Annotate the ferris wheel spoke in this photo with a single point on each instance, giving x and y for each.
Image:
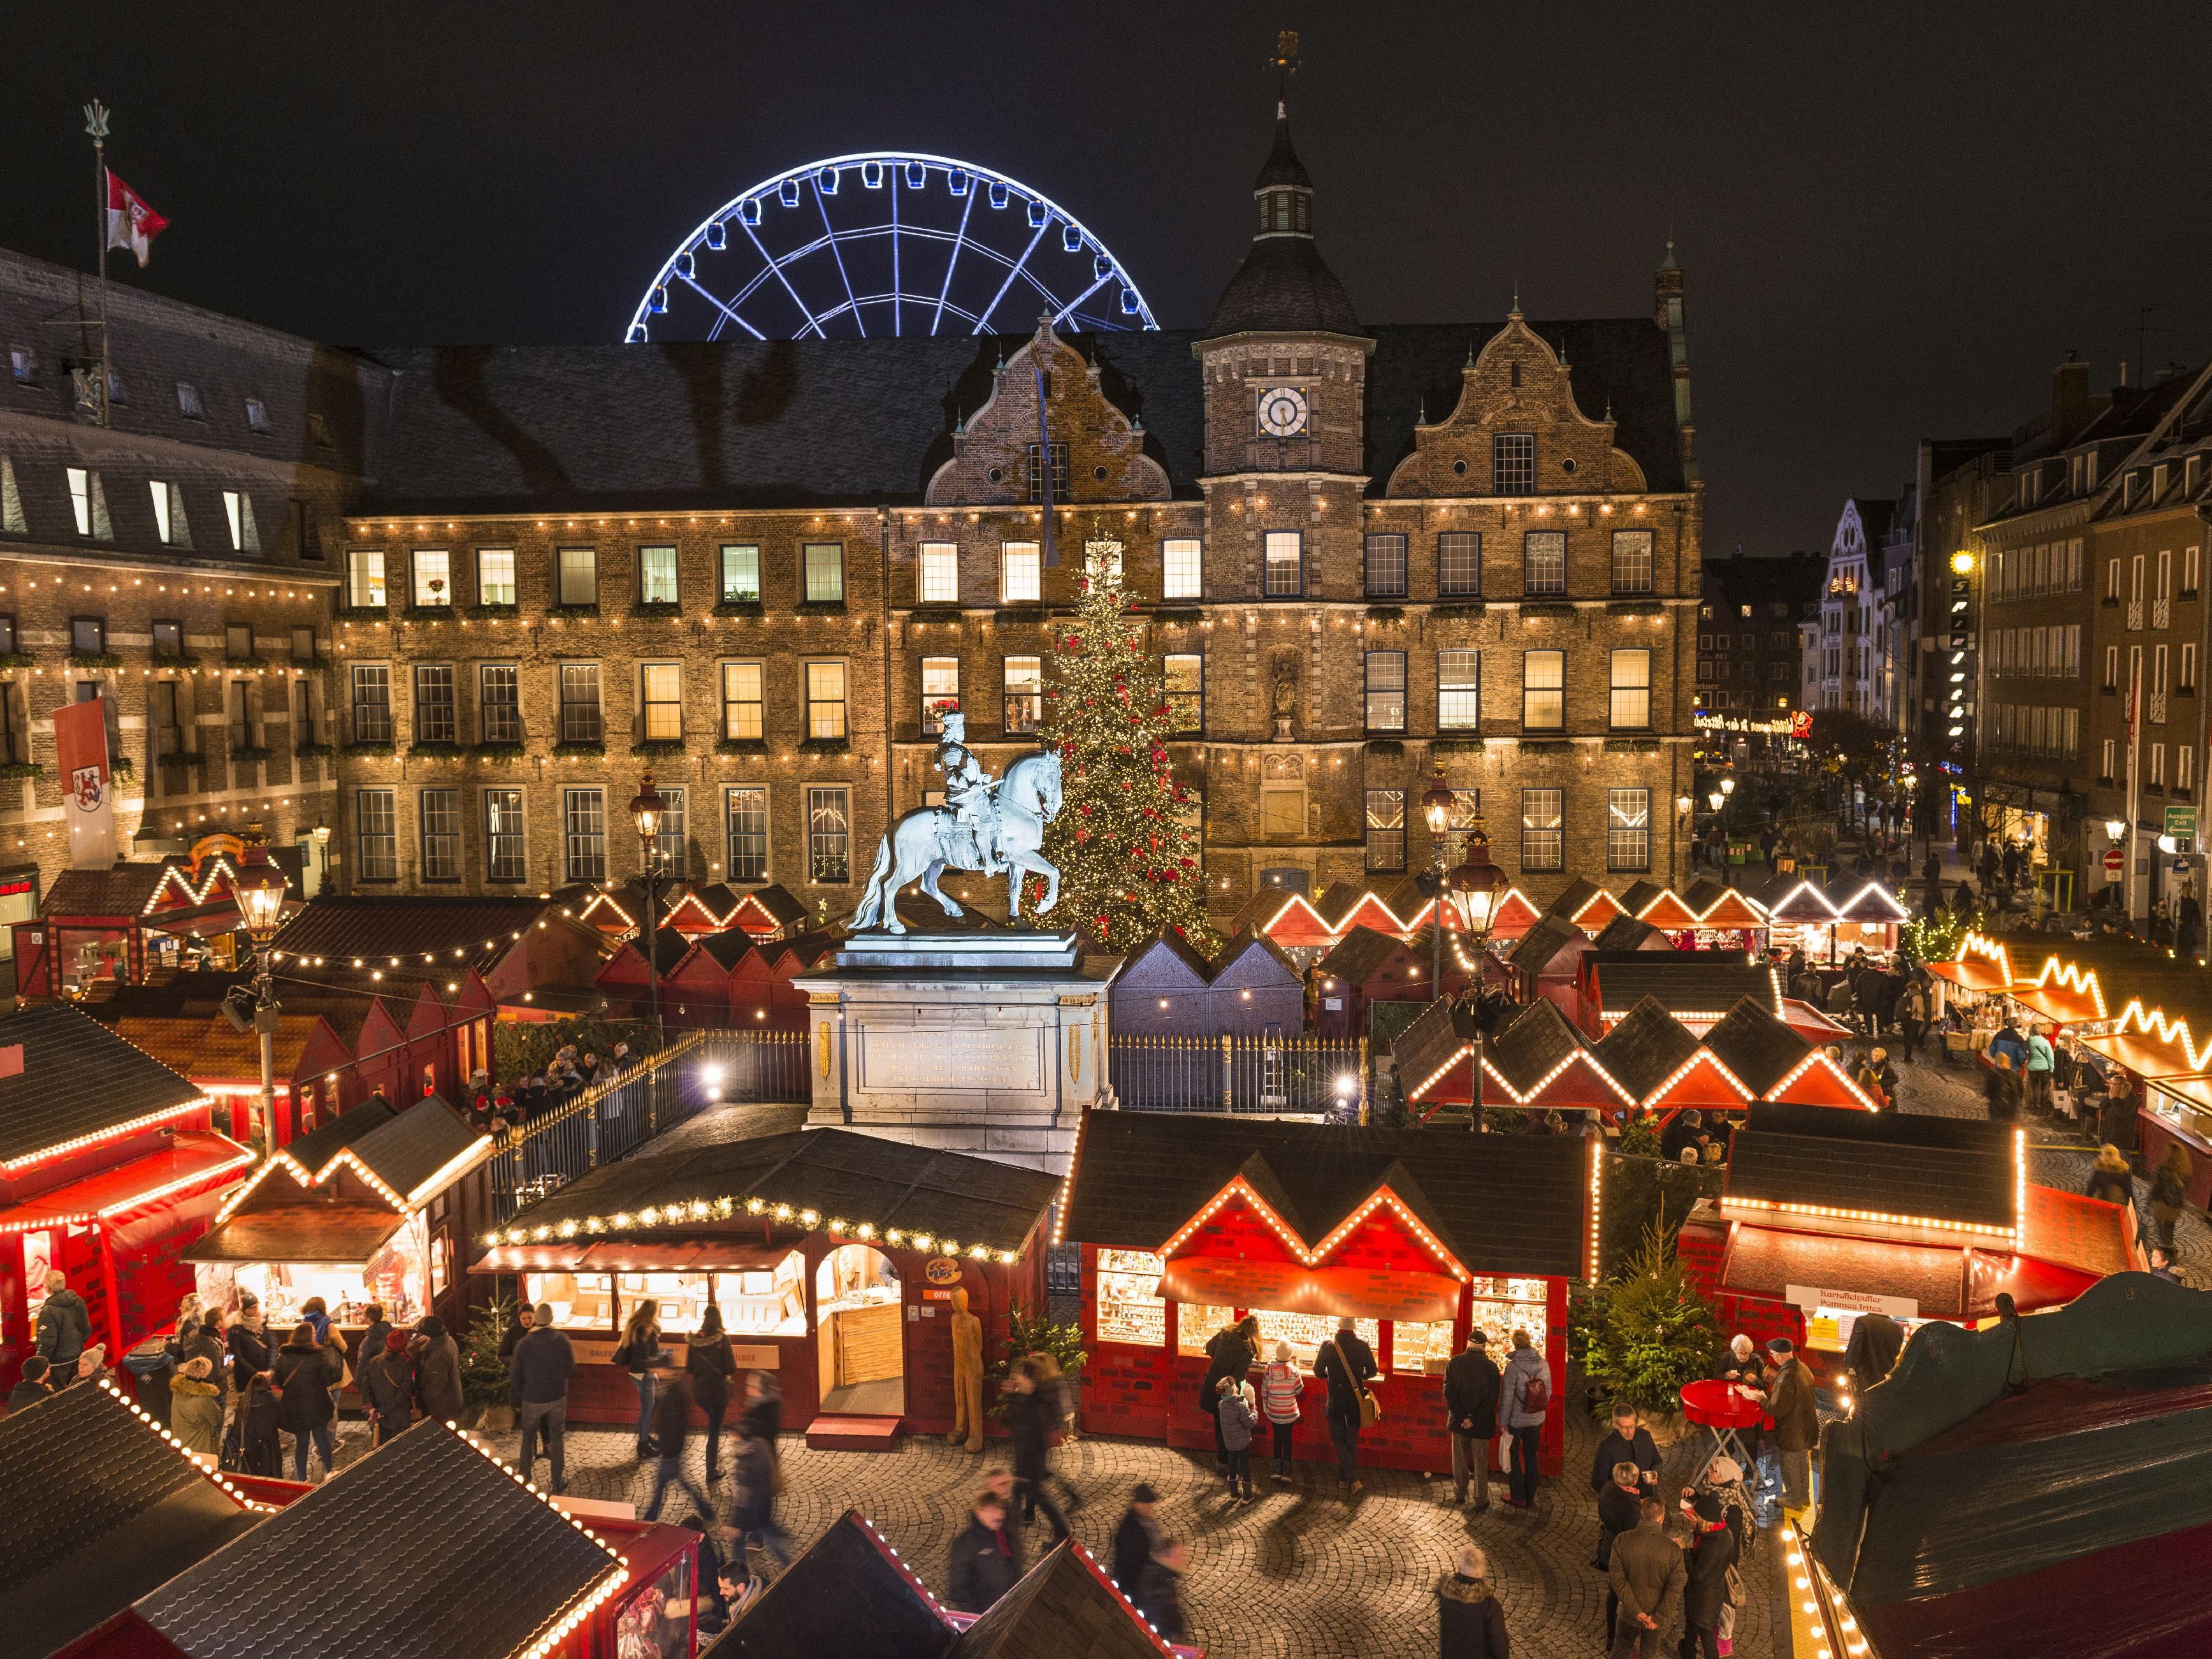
(776, 265)
(1068, 310)
(692, 283)
(837, 253)
(959, 241)
(893, 173)
(1018, 265)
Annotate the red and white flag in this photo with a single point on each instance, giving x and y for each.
(87, 781)
(130, 222)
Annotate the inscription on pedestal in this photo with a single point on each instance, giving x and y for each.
(907, 1057)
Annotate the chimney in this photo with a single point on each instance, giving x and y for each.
(2069, 398)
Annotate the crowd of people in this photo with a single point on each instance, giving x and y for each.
(498, 1108)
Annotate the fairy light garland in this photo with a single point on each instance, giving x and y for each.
(685, 1212)
(2154, 1023)
(213, 1477)
(1818, 1057)
(1311, 1256)
(564, 1623)
(1552, 1076)
(1753, 1208)
(113, 1131)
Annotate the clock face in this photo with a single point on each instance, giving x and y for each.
(1282, 411)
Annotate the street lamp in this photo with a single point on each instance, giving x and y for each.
(647, 806)
(1715, 799)
(2116, 828)
(258, 890)
(1475, 889)
(1436, 808)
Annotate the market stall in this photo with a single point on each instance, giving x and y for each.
(108, 1168)
(375, 1206)
(1833, 923)
(1830, 1215)
(833, 1257)
(1587, 905)
(1188, 1222)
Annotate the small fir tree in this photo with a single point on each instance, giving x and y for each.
(1129, 864)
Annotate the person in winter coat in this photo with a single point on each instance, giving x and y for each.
(753, 1515)
(1912, 1018)
(1280, 1385)
(307, 1372)
(1346, 1365)
(1619, 1510)
(1797, 1420)
(1646, 1579)
(64, 1327)
(1232, 1351)
(1877, 1079)
(260, 1450)
(2169, 1191)
(764, 1407)
(1233, 1410)
(1628, 1443)
(672, 1426)
(2001, 1088)
(1470, 1624)
(153, 1365)
(2116, 1120)
(1526, 1390)
(32, 1387)
(511, 1338)
(1159, 1590)
(196, 1406)
(1032, 1415)
(711, 1366)
(1840, 1002)
(1723, 1478)
(1876, 1341)
(387, 1387)
(372, 1336)
(982, 1561)
(437, 1369)
(638, 1354)
(1681, 1130)
(1471, 1385)
(2110, 1178)
(1136, 1538)
(1705, 1591)
(248, 1345)
(538, 1381)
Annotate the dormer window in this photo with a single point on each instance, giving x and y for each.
(1283, 210)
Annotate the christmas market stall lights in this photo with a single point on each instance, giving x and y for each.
(108, 1168)
(834, 1257)
(1938, 1531)
(1830, 923)
(113, 927)
(1308, 929)
(375, 1206)
(1189, 1223)
(1829, 1215)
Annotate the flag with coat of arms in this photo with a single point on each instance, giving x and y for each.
(132, 223)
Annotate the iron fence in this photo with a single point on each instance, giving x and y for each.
(1304, 1075)
(613, 1119)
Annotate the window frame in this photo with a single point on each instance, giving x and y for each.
(421, 572)
(579, 859)
(369, 676)
(1536, 837)
(447, 839)
(1011, 589)
(826, 866)
(1182, 700)
(832, 565)
(368, 842)
(937, 572)
(571, 717)
(1389, 663)
(1617, 689)
(1382, 842)
(1529, 690)
(485, 587)
(647, 703)
(807, 667)
(1269, 564)
(1450, 550)
(733, 706)
(1513, 464)
(1180, 580)
(647, 586)
(1449, 696)
(734, 593)
(1383, 561)
(1021, 706)
(497, 866)
(932, 723)
(576, 570)
(1530, 586)
(731, 832)
(424, 684)
(367, 588)
(486, 702)
(1626, 583)
(1628, 841)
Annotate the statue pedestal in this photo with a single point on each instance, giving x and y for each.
(988, 1043)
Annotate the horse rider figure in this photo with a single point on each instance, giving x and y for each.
(970, 791)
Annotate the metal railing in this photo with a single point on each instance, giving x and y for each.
(2135, 616)
(1257, 1074)
(613, 1120)
(2162, 613)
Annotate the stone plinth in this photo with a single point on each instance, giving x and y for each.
(989, 1044)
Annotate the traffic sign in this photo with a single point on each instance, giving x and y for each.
(2181, 822)
(2115, 862)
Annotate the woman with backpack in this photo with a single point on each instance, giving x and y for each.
(1527, 1392)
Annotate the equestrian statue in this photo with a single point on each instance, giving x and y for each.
(988, 826)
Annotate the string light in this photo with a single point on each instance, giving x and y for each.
(213, 1477)
(113, 1131)
(1755, 1208)
(682, 1212)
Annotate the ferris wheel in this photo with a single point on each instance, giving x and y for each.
(890, 243)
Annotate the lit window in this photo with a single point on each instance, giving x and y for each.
(1182, 567)
(1543, 691)
(579, 569)
(494, 575)
(1386, 690)
(1185, 673)
(661, 691)
(940, 691)
(741, 575)
(656, 575)
(747, 813)
(1023, 682)
(824, 562)
(1631, 689)
(1543, 840)
(829, 835)
(1386, 567)
(1019, 575)
(741, 702)
(1458, 690)
(88, 502)
(940, 573)
(433, 577)
(1628, 828)
(1386, 828)
(825, 701)
(1285, 564)
(238, 514)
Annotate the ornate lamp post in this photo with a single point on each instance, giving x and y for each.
(1437, 809)
(259, 892)
(1475, 890)
(647, 806)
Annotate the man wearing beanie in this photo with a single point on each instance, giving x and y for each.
(1797, 1420)
(1136, 1539)
(386, 1380)
(539, 1374)
(1712, 1561)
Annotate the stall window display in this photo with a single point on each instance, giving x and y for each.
(1197, 1321)
(1421, 1348)
(855, 1276)
(585, 1300)
(1502, 1306)
(1129, 1306)
(397, 1276)
(754, 1303)
(38, 1260)
(1307, 1333)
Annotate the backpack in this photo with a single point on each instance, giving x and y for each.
(1536, 1394)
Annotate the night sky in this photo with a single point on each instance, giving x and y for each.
(1895, 219)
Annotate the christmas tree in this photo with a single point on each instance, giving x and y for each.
(1128, 862)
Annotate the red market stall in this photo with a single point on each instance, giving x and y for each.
(1831, 923)
(376, 1205)
(1829, 1215)
(1696, 986)
(225, 1063)
(1587, 905)
(1187, 1222)
(833, 1257)
(1367, 967)
(108, 1170)
(114, 926)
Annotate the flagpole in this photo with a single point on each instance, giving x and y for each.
(95, 123)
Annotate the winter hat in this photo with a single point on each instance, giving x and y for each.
(1475, 1338)
(1708, 1507)
(395, 1342)
(430, 1326)
(1143, 1494)
(1782, 1346)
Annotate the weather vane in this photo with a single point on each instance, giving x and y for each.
(1286, 60)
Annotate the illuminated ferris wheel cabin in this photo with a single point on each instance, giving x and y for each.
(869, 246)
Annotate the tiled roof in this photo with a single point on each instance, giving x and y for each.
(319, 1146)
(845, 1595)
(1645, 1048)
(1432, 1042)
(1284, 286)
(345, 1231)
(423, 1546)
(1539, 1039)
(100, 1509)
(1552, 937)
(377, 929)
(1253, 958)
(119, 891)
(778, 901)
(77, 1079)
(1579, 891)
(834, 1172)
(1756, 1045)
(1890, 1163)
(1165, 959)
(415, 1145)
(1358, 954)
(1062, 1607)
(1506, 1204)
(726, 950)
(1624, 933)
(1685, 982)
(216, 1047)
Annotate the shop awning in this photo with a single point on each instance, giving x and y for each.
(194, 1158)
(319, 1235)
(1972, 975)
(1765, 1261)
(2058, 1006)
(1284, 1288)
(614, 1255)
(2157, 1059)
(1809, 1023)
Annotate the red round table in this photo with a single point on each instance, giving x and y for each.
(1724, 1408)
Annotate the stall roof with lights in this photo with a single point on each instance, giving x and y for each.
(1624, 933)
(1550, 949)
(1499, 1204)
(1943, 1175)
(831, 1174)
(1759, 1048)
(103, 1509)
(67, 1081)
(1697, 986)
(1850, 899)
(1541, 1061)
(425, 1545)
(457, 933)
(1646, 1049)
(1587, 905)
